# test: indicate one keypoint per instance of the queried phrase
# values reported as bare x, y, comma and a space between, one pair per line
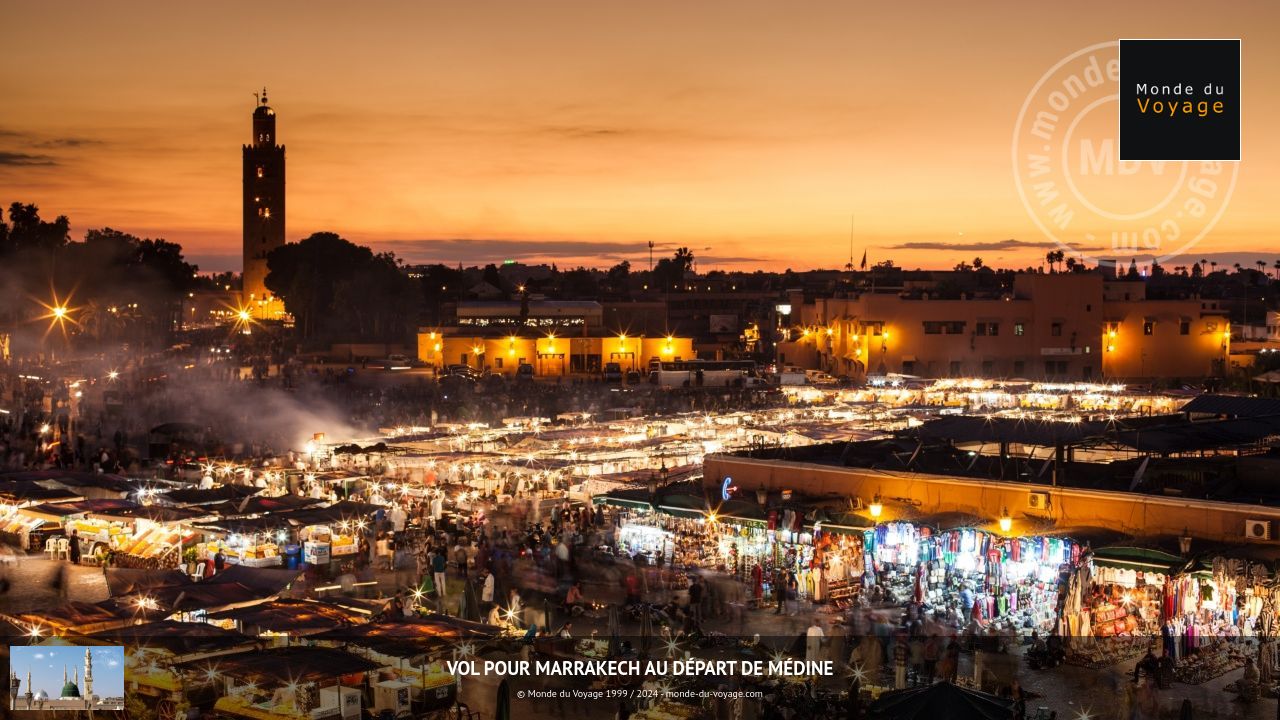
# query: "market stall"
968, 574
291, 682
157, 535
411, 653
153, 650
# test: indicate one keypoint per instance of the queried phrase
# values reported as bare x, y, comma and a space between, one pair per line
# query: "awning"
284, 665
412, 637
1141, 559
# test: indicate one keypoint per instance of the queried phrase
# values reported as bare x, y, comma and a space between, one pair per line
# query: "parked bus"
705, 373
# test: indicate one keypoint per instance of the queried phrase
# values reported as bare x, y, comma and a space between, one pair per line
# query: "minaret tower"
263, 210
88, 674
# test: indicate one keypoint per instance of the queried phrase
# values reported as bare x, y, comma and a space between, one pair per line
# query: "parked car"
464, 371
612, 372
524, 373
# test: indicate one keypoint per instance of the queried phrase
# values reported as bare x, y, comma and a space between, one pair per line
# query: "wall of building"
1050, 326
549, 355
911, 495
1163, 338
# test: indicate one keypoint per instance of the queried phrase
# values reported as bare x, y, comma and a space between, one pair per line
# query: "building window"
1184, 327
1088, 307
1056, 329
908, 367
497, 362
1148, 328
987, 329
1019, 329
943, 327
988, 368
955, 368
259, 171
1019, 368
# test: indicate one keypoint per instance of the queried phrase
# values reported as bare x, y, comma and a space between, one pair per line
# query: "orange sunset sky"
577, 132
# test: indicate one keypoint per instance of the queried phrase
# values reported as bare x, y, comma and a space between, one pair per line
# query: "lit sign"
727, 488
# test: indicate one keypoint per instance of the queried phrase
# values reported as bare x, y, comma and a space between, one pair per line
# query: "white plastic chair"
199, 573
51, 547
64, 548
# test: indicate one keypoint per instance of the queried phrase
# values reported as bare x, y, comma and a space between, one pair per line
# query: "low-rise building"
1071, 326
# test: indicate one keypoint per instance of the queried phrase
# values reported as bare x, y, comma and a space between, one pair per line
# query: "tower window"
259, 171
266, 212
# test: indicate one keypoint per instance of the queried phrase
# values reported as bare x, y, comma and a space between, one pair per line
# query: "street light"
1006, 522
876, 507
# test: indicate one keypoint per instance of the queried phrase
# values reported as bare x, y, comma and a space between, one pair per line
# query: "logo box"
1180, 99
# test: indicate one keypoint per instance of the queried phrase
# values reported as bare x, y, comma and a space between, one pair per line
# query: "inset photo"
52, 678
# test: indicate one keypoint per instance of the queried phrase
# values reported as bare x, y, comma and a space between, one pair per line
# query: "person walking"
439, 564
73, 548
486, 591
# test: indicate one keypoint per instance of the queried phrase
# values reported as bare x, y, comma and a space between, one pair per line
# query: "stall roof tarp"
20, 491
1233, 406
291, 616
81, 507
284, 665
337, 512
155, 513
131, 581
73, 479
74, 616
940, 700
1201, 435
698, 506
411, 637
179, 638
1022, 431
1134, 558
256, 504
197, 496
236, 585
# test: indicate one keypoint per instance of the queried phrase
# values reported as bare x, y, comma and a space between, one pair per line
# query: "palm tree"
1213, 266
1277, 267
1262, 266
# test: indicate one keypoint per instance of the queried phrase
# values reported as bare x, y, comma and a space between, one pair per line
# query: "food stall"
289, 682
250, 542
158, 534
411, 653
153, 650
22, 530
97, 533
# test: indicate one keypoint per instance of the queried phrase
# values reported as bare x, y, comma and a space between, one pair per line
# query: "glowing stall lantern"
1006, 522
876, 507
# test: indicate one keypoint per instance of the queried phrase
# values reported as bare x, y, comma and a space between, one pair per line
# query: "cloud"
595, 253
16, 159
113, 663
967, 245
67, 142
38, 656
